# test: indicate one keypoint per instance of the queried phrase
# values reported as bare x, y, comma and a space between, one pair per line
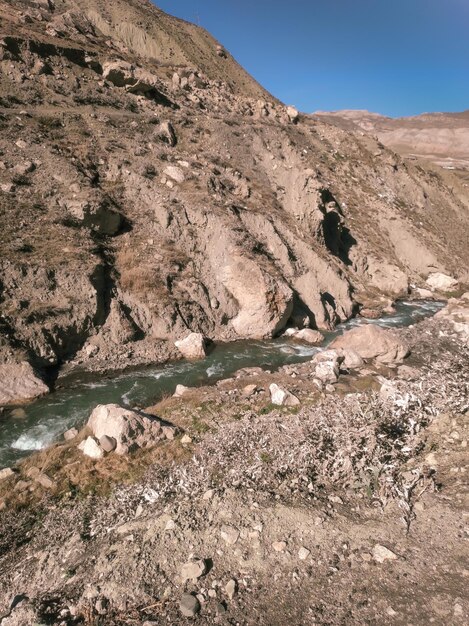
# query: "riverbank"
43, 422
325, 512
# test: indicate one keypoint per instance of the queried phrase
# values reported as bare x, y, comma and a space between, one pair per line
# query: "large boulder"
327, 366
307, 335
441, 282
19, 383
192, 347
130, 430
373, 342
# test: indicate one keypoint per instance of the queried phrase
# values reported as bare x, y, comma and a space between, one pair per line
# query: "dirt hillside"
149, 188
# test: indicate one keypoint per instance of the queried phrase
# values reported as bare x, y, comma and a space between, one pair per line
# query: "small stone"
90, 447
169, 432
220, 608
391, 612
229, 534
108, 444
33, 472
193, 570
231, 588
175, 173
189, 605
279, 546
22, 485
18, 413
70, 434
249, 390
45, 481
381, 554
180, 391
458, 610
6, 473
212, 593
208, 495
186, 440
303, 553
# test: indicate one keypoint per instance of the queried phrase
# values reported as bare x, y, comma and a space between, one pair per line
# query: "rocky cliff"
149, 187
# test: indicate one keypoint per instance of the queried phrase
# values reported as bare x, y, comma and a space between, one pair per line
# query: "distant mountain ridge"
442, 138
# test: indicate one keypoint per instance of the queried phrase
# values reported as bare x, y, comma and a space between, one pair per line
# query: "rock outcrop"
19, 383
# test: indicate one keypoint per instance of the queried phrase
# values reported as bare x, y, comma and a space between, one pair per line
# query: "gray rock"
189, 605
108, 444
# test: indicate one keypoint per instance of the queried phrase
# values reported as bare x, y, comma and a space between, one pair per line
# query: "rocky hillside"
442, 138
150, 187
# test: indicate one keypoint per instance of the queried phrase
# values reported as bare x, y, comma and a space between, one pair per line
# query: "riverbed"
47, 418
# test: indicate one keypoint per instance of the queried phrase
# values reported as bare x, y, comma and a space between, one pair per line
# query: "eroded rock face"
129, 429
372, 342
19, 383
265, 303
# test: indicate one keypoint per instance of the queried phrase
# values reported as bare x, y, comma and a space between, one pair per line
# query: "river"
47, 418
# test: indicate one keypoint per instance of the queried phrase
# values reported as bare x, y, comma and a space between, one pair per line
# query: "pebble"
279, 546
381, 554
70, 434
229, 534
303, 553
189, 605
193, 570
230, 588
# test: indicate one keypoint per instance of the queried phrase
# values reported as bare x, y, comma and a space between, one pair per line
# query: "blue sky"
396, 57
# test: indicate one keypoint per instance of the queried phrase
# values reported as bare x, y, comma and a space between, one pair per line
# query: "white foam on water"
215, 369
126, 396
30, 442
306, 350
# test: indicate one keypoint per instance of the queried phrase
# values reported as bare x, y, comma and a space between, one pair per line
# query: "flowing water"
47, 418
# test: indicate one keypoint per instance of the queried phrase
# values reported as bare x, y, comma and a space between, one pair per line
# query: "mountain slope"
442, 138
150, 187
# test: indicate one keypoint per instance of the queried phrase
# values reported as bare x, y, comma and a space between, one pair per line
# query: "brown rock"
372, 342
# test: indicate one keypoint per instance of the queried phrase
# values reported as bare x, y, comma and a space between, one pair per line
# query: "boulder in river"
193, 346
129, 429
373, 342
19, 383
308, 335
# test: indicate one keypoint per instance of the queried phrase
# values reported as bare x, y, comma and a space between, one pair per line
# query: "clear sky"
396, 57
